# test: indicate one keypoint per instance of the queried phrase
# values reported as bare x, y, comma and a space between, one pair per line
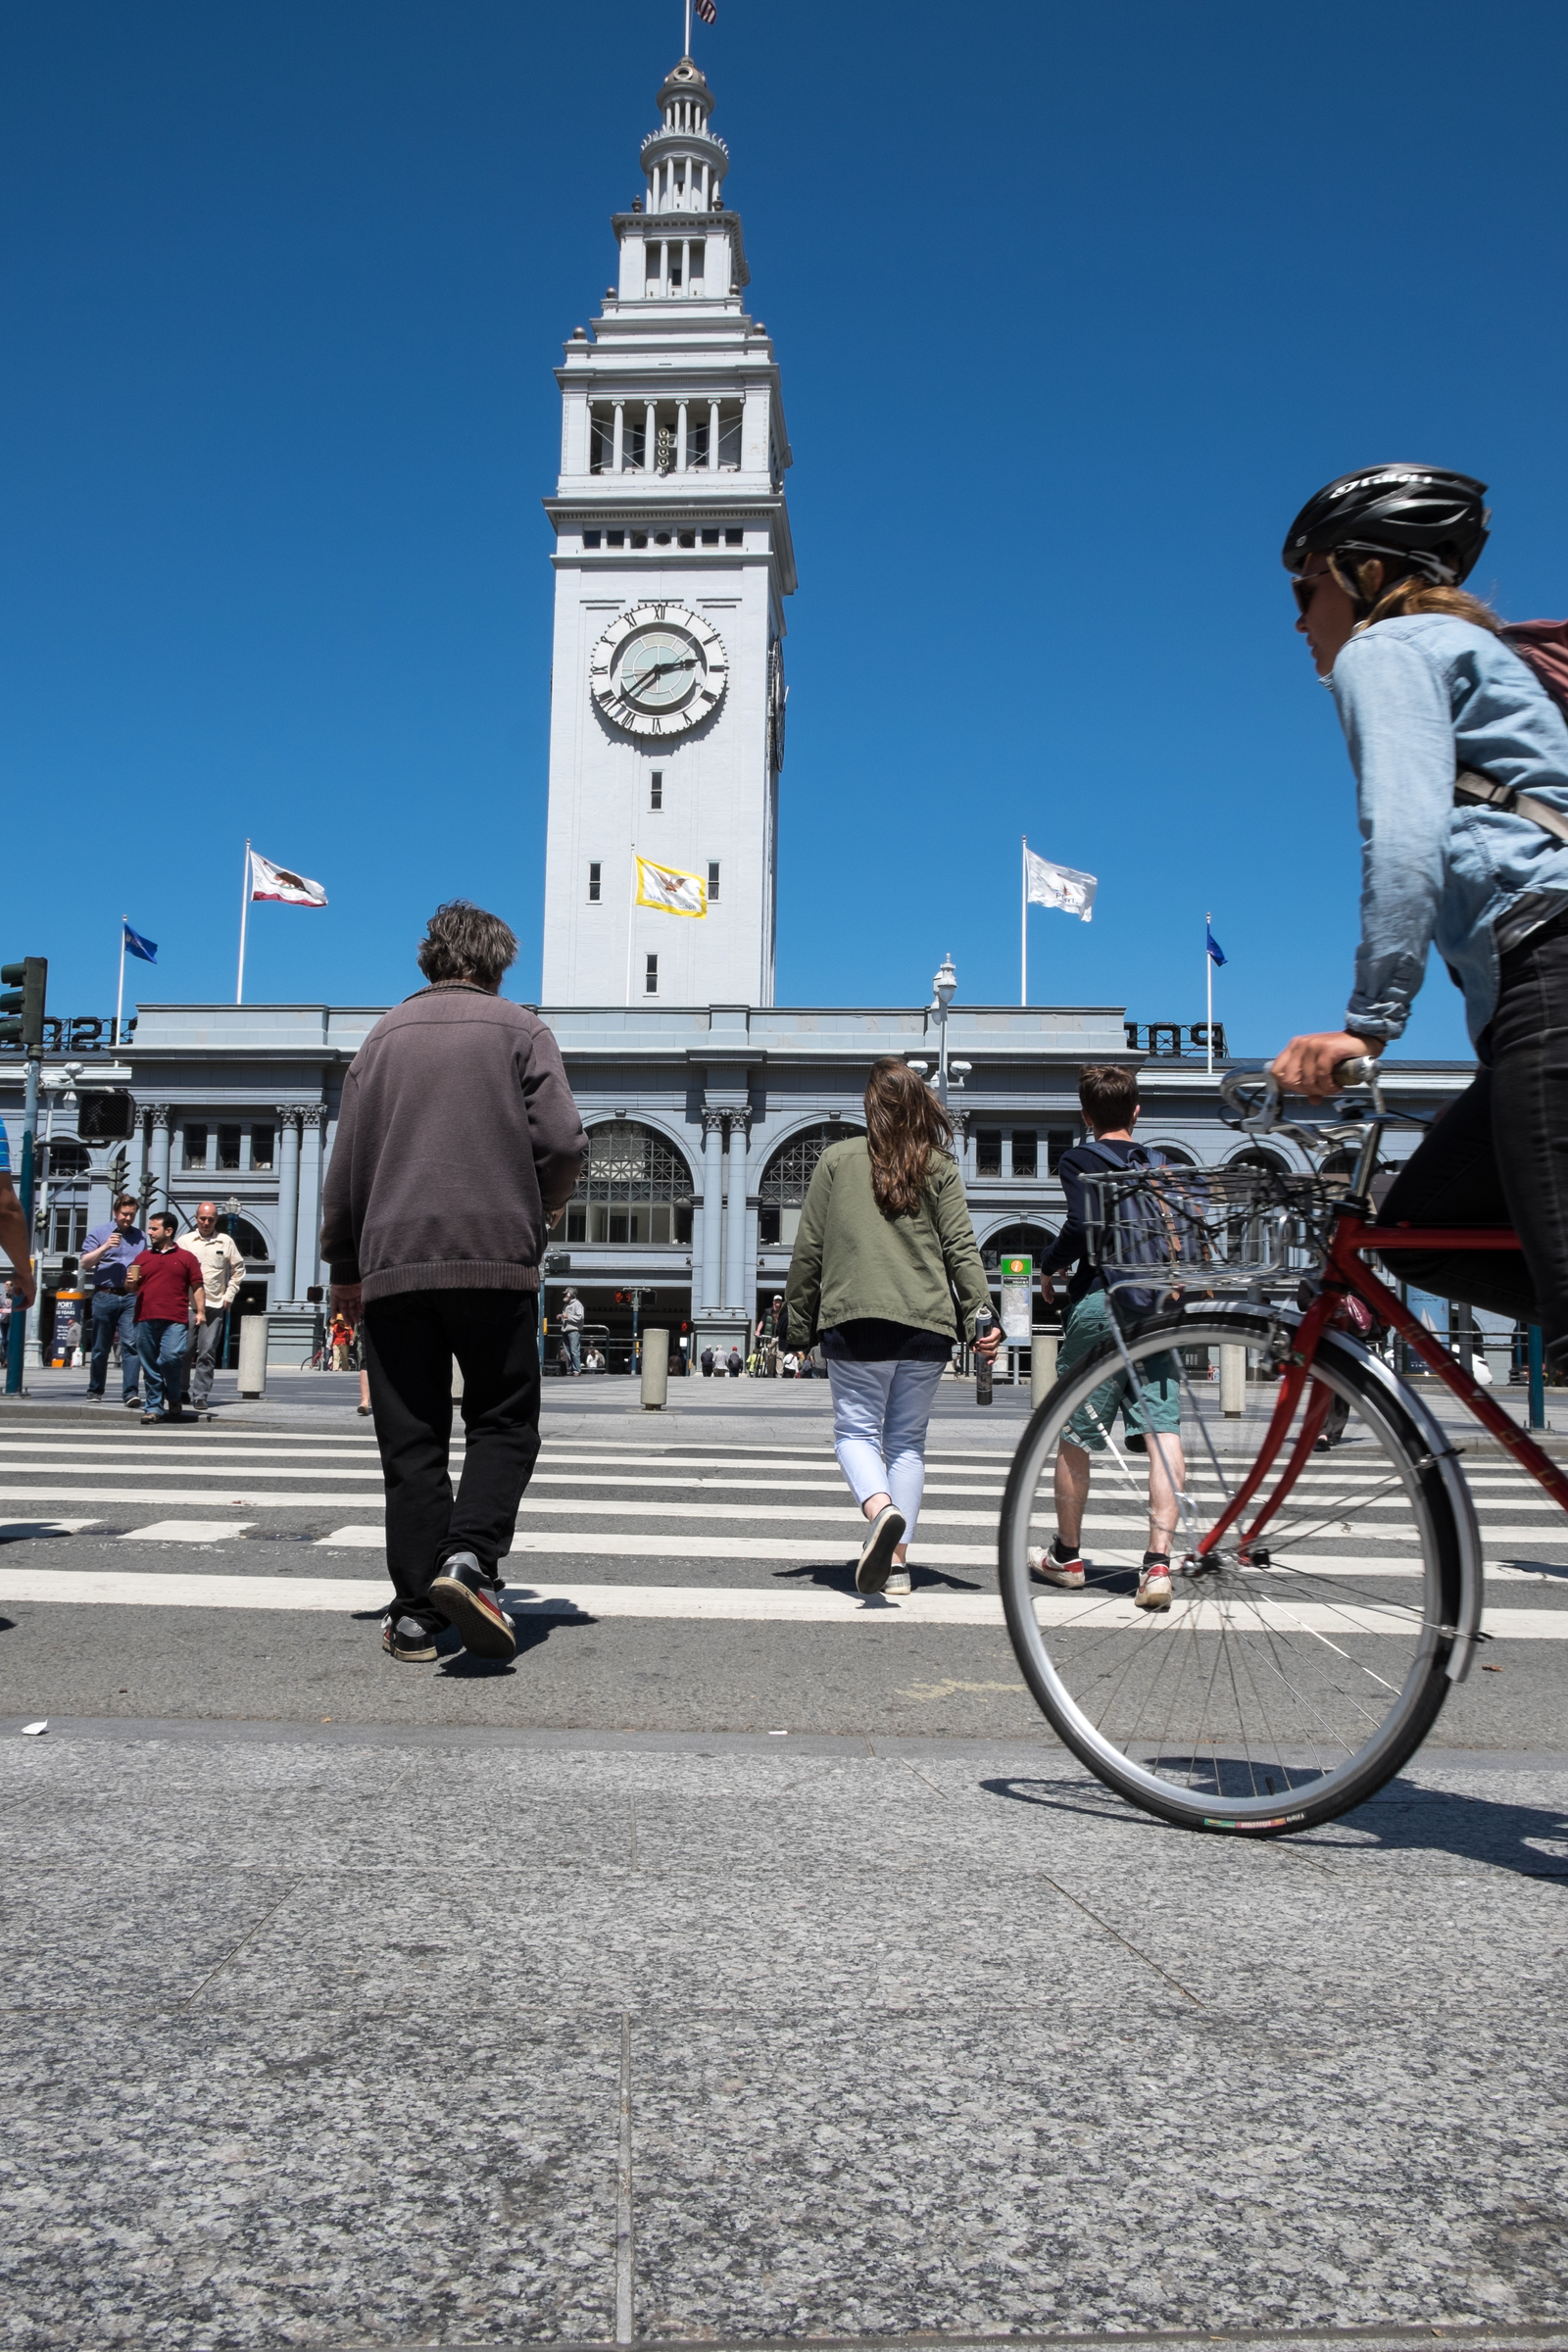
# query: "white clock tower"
673, 561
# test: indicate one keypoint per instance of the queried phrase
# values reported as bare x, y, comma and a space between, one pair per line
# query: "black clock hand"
659, 669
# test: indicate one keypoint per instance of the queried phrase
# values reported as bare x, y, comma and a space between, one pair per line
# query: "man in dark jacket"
457, 1146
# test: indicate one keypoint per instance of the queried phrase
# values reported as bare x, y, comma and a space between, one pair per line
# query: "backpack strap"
1470, 786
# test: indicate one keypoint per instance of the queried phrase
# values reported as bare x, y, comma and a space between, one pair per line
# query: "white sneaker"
1047, 1569
897, 1581
1153, 1588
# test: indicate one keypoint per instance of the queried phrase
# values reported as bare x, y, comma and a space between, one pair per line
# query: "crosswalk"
619, 1527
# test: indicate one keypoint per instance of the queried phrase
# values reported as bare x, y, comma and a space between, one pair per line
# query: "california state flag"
270, 881
667, 887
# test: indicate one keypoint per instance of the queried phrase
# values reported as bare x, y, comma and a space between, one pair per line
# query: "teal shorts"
1158, 1408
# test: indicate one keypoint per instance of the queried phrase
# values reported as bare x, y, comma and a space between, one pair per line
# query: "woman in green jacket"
885, 1241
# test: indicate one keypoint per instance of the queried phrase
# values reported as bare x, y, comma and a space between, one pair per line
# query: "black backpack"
1157, 1225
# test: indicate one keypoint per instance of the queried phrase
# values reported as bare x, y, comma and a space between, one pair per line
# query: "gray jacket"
456, 1141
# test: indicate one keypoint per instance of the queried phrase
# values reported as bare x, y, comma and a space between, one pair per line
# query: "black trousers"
409, 1342
1500, 1156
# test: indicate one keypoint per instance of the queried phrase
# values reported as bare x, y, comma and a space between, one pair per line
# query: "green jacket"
852, 1262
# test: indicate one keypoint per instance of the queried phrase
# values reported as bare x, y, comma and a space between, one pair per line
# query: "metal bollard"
1537, 1380
1233, 1381
1042, 1364
655, 1369
253, 1356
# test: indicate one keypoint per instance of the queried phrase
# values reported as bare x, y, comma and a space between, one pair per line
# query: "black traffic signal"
22, 1005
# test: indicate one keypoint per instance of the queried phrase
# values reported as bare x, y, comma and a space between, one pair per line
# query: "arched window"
66, 1159
1016, 1241
635, 1187
782, 1191
252, 1246
1175, 1154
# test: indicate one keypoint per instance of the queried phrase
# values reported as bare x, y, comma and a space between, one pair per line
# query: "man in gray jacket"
457, 1146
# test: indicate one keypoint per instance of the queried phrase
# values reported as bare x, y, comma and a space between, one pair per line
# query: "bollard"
1233, 1381
253, 1356
1042, 1364
1538, 1381
655, 1369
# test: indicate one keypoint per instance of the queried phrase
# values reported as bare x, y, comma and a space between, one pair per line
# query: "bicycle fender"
1466, 1633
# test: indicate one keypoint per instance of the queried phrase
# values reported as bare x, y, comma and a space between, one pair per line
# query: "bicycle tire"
1082, 1662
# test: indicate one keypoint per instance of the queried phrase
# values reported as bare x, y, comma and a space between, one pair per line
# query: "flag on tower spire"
707, 11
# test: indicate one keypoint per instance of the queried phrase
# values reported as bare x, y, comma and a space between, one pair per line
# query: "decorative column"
964, 1142
680, 437
651, 440
307, 1247
713, 1207
157, 1194
618, 447
288, 1204
712, 436
736, 1286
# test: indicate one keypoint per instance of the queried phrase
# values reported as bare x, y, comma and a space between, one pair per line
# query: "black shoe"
408, 1640
131, 1403
467, 1598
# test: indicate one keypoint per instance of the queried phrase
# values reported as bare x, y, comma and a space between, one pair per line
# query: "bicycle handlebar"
1258, 1098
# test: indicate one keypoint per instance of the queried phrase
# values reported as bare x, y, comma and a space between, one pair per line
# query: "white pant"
880, 1413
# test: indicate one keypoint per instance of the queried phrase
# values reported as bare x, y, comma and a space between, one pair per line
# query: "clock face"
658, 669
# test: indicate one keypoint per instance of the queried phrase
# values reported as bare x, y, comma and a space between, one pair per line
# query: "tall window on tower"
651, 977
712, 881
656, 788
593, 884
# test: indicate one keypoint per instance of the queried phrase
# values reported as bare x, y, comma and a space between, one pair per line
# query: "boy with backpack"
1109, 1099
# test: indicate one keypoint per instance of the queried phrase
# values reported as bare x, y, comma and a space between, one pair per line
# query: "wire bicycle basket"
1210, 1230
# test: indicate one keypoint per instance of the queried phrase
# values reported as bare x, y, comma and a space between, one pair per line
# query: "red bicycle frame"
1343, 1272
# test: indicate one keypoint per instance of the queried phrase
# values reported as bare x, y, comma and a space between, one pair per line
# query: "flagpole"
120, 1000
686, 52
1023, 931
631, 917
1208, 975
244, 910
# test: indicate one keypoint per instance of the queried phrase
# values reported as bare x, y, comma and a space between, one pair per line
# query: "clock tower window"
656, 789
594, 874
651, 977
712, 881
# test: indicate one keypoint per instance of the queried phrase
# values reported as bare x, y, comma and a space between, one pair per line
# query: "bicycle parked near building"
1322, 1605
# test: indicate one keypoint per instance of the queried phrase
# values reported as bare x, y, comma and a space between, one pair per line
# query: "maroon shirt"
167, 1277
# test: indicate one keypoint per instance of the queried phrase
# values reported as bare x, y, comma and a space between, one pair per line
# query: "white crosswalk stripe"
750, 1507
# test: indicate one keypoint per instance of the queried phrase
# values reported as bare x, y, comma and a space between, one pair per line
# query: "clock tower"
673, 561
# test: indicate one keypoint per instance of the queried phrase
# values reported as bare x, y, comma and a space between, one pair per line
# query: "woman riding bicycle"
1439, 711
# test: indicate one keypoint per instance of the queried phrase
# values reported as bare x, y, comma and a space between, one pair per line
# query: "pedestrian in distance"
571, 1318
457, 1147
15, 1240
734, 1363
1109, 1097
883, 1242
222, 1265
170, 1288
107, 1252
707, 1360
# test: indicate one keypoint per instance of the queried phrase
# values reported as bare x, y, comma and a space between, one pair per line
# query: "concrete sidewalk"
387, 2038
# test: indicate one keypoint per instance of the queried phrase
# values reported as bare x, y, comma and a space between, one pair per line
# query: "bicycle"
1290, 1678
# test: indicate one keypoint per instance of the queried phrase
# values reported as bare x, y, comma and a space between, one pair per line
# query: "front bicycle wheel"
1301, 1660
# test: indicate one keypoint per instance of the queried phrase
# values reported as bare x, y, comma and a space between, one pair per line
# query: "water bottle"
984, 1323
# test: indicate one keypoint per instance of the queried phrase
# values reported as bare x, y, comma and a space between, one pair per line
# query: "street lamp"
60, 1086
945, 987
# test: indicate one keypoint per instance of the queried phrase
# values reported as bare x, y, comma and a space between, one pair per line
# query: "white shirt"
222, 1266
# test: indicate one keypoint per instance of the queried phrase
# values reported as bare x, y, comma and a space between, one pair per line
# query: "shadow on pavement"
840, 1578
1529, 1840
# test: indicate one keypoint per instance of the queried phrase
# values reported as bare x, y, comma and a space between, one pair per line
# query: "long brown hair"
1412, 594
904, 1124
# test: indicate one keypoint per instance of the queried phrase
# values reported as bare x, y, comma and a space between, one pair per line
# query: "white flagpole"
686, 52
120, 1000
1208, 975
632, 918
244, 910
1023, 933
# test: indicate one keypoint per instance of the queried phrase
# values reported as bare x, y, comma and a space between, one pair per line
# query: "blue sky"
1075, 307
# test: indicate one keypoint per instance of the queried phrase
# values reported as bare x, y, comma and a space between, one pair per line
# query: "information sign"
1017, 1300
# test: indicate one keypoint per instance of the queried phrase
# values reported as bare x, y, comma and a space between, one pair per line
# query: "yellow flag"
665, 886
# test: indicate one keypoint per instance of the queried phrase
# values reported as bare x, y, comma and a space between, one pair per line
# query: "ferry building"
706, 1103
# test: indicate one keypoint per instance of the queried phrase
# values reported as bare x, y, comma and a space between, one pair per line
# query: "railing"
1171, 1041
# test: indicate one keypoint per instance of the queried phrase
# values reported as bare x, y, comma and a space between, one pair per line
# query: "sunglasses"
1305, 585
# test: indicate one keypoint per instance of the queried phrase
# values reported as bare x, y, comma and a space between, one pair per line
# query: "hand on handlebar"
1312, 1065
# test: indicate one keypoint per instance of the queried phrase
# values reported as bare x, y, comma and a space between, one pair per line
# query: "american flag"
707, 11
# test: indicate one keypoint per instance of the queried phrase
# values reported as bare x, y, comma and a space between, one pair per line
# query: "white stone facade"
670, 497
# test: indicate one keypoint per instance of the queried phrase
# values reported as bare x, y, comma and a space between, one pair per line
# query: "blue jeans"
114, 1314
161, 1345
880, 1413
572, 1335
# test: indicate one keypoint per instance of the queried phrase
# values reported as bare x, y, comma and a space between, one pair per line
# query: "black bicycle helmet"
1421, 518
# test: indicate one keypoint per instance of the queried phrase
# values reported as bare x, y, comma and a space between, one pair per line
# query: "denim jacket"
1420, 698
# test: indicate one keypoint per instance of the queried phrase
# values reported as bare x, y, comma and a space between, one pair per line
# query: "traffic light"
105, 1115
22, 1005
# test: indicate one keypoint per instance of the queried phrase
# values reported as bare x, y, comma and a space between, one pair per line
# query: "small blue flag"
147, 949
1214, 948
